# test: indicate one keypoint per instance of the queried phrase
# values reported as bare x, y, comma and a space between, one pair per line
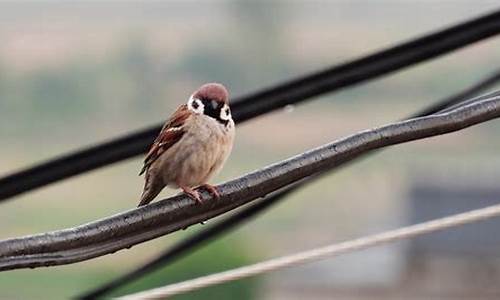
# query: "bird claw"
192, 194
211, 189
195, 195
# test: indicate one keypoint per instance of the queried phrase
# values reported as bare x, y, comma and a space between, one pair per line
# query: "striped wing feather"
170, 134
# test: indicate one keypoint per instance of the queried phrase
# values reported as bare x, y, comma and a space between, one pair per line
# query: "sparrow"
192, 146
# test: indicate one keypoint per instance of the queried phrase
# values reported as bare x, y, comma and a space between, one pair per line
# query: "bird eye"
195, 104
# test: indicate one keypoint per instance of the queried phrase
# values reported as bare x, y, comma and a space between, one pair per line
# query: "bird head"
211, 100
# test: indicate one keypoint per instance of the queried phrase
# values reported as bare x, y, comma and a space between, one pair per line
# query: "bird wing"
170, 134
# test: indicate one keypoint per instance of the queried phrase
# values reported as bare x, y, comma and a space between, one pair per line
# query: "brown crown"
212, 91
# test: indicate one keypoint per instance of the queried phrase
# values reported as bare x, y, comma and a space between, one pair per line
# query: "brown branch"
138, 225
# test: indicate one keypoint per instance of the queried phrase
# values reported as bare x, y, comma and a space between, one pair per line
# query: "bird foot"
191, 193
211, 189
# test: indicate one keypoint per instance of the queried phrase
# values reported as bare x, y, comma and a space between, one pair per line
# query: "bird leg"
191, 193
211, 189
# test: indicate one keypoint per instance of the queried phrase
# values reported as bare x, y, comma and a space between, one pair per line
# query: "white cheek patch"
225, 113
195, 105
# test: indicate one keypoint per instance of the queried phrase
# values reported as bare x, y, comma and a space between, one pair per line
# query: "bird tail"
151, 189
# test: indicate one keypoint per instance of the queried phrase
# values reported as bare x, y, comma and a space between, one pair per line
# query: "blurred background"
77, 73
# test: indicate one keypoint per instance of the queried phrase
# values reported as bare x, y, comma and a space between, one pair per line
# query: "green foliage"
60, 91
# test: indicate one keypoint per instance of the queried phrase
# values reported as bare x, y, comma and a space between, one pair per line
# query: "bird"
192, 146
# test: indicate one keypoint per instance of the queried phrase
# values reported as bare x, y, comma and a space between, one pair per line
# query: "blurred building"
458, 261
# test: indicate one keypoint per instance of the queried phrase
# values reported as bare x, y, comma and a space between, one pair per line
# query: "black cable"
468, 93
189, 244
244, 108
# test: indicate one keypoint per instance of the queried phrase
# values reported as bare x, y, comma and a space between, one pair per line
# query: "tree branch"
132, 227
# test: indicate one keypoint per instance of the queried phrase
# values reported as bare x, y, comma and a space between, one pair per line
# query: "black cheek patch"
213, 110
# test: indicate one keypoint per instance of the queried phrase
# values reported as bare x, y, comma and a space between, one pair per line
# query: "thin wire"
189, 244
318, 253
466, 94
244, 108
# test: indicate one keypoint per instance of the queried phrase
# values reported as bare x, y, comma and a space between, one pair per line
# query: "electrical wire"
252, 105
